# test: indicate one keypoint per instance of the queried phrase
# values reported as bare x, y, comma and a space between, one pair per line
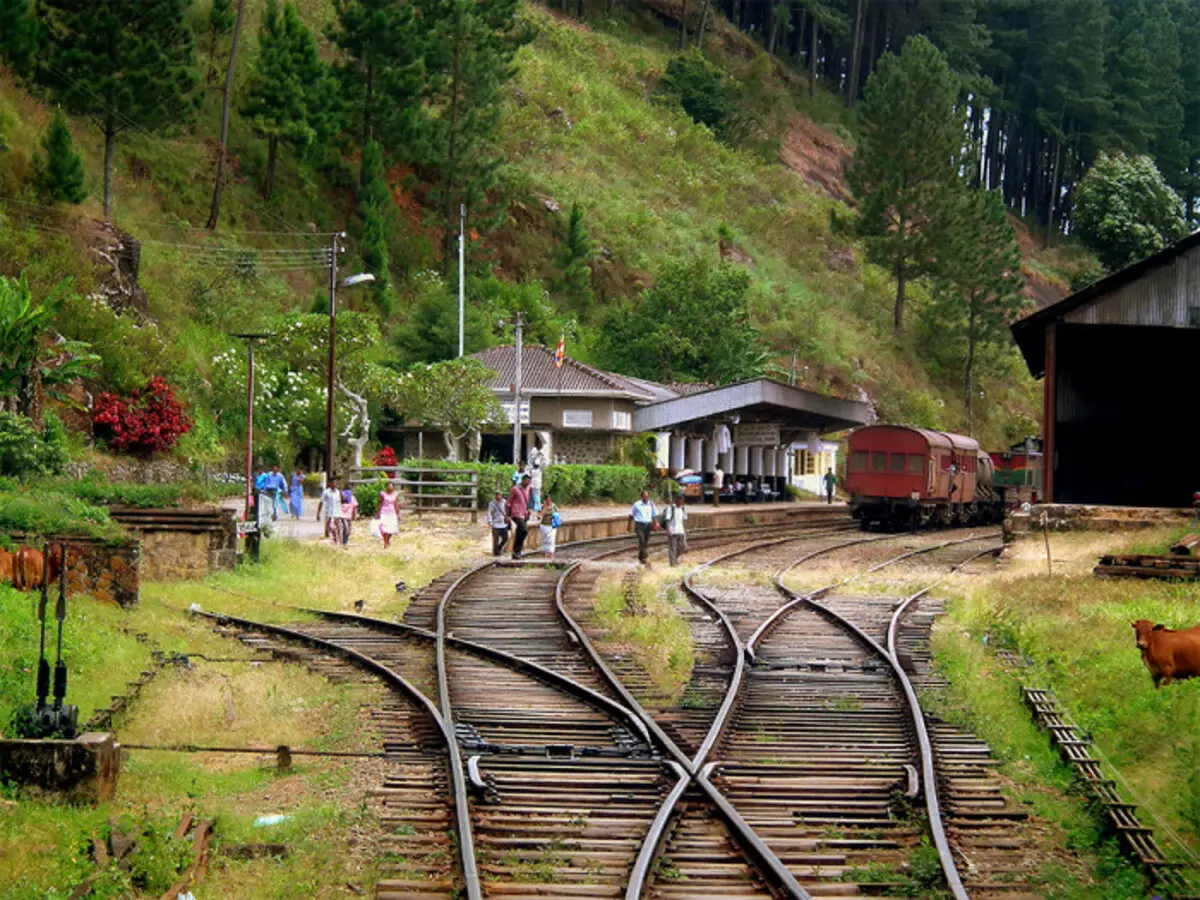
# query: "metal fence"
427, 490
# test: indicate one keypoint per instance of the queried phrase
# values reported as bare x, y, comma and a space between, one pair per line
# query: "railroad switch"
45, 719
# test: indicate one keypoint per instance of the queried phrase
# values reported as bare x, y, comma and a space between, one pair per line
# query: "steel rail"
743, 833
462, 818
924, 745
658, 829
517, 663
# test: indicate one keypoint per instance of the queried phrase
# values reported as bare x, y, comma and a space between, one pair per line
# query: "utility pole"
250, 338
519, 323
792, 377
330, 438
219, 185
462, 266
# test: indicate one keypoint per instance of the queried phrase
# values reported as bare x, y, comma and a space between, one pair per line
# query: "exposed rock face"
118, 256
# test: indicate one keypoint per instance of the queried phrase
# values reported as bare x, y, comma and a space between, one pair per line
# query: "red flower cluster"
150, 421
385, 457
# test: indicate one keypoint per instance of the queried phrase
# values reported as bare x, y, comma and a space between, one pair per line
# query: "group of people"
645, 518
271, 487
515, 512
340, 508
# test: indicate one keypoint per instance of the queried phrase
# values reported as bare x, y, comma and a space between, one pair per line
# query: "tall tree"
219, 24
470, 56
453, 395
977, 289
60, 169
381, 72
287, 99
905, 168
573, 282
18, 35
376, 208
214, 212
121, 64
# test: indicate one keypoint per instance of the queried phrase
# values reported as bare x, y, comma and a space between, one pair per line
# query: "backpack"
555, 519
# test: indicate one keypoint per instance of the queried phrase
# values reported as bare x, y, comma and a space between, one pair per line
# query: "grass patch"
645, 615
1075, 631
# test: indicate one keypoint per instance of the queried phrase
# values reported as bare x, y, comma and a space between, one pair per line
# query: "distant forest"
1047, 84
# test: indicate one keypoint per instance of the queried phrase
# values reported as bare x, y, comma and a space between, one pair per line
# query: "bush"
39, 513
385, 457
24, 452
569, 484
150, 421
707, 94
368, 497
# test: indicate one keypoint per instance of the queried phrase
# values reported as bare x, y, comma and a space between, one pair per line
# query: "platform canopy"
759, 401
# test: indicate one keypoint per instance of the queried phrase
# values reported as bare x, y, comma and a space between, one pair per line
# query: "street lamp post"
361, 278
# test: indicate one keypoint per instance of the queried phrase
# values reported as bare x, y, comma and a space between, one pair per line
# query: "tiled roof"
539, 376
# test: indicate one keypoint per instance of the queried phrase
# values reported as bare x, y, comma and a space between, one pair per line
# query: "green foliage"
38, 511
381, 72
706, 93
289, 95
569, 484
905, 170
430, 333
376, 208
693, 325
59, 173
122, 65
453, 395
1125, 211
24, 451
471, 45
977, 291
18, 34
572, 285
27, 367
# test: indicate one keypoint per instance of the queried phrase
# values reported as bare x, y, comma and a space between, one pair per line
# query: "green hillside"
583, 122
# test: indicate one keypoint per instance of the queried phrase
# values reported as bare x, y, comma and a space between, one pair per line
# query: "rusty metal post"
1049, 413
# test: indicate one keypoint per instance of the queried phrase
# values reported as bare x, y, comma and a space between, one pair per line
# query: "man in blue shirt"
644, 519
277, 486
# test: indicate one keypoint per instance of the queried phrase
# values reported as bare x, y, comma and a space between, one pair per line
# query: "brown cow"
1167, 653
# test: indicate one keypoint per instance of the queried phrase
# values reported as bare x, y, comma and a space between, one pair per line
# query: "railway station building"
758, 430
1117, 358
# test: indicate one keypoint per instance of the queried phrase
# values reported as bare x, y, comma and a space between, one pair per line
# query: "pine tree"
381, 74
60, 170
977, 289
221, 18
123, 65
375, 207
905, 168
18, 35
573, 284
470, 57
287, 101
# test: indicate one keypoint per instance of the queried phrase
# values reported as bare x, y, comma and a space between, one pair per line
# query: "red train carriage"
911, 477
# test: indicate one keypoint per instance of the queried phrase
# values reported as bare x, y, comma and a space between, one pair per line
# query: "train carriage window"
969, 464
858, 461
896, 462
878, 461
944, 463
916, 464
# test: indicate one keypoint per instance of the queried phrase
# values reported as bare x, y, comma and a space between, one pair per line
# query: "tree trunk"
812, 59
360, 418
970, 371
368, 129
1057, 169
451, 445
703, 23
215, 213
110, 150
272, 159
855, 54
772, 28
901, 274
579, 10
683, 27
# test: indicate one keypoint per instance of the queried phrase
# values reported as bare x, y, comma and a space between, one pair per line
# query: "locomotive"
902, 477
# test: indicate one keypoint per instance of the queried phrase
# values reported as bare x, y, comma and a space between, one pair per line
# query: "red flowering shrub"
385, 457
151, 420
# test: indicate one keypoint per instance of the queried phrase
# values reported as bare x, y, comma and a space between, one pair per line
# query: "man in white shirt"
537, 464
331, 505
718, 485
497, 516
675, 516
642, 519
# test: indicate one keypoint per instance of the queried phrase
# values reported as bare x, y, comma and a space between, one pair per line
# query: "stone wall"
582, 448
169, 556
108, 572
134, 471
1082, 517
84, 770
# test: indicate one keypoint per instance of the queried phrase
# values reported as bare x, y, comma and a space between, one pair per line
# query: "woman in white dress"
549, 525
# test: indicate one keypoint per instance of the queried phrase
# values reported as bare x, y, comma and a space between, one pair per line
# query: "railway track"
568, 779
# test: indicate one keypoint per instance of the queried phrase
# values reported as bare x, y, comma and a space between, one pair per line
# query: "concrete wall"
82, 771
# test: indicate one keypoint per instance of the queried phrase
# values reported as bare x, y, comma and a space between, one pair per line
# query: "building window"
577, 418
622, 421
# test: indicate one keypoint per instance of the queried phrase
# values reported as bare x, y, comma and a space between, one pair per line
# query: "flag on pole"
560, 352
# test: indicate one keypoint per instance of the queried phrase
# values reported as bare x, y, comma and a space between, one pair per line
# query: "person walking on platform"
830, 483
331, 504
549, 522
718, 485
518, 514
498, 521
642, 518
537, 467
674, 518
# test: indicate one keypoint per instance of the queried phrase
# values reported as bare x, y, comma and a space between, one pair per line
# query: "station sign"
509, 405
754, 434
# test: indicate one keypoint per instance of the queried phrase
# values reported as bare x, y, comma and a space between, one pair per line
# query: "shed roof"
540, 377
759, 398
1030, 331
